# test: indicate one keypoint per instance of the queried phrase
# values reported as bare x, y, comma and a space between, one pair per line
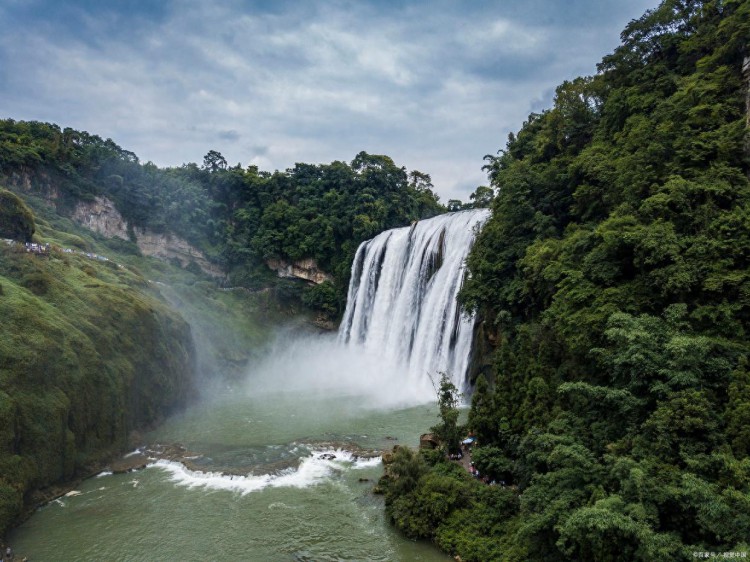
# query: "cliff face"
101, 216
306, 269
37, 181
169, 247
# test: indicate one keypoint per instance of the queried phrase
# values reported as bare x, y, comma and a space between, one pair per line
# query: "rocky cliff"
100, 215
306, 269
169, 247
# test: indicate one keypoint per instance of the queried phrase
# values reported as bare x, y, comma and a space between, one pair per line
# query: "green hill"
613, 284
88, 354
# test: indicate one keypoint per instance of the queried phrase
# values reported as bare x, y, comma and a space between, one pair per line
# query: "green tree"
447, 431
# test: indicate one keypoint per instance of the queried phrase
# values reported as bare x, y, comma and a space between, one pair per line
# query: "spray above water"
402, 326
321, 367
402, 305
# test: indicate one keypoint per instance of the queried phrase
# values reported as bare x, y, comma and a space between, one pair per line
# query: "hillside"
88, 354
247, 223
612, 282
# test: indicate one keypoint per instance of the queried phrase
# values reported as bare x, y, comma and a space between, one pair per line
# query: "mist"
319, 366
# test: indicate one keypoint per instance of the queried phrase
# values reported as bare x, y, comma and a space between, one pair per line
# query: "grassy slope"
86, 356
91, 350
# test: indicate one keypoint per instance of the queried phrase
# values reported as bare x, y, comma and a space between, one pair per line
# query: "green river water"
289, 503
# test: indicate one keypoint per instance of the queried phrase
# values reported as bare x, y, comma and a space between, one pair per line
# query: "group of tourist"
45, 249
486, 479
89, 255
34, 248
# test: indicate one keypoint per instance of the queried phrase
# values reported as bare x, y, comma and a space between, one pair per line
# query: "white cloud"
436, 89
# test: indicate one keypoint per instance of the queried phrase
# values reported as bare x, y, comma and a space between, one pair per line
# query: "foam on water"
312, 470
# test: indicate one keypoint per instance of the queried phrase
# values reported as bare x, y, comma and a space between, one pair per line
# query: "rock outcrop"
24, 179
306, 269
101, 216
169, 247
428, 441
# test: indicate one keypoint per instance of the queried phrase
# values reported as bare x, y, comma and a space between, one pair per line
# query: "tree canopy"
240, 218
613, 283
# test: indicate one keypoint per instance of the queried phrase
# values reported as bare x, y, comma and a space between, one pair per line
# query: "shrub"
16, 220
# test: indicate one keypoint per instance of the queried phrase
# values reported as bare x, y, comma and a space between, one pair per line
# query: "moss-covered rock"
16, 219
83, 363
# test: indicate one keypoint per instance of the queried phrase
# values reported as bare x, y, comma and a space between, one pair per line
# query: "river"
290, 431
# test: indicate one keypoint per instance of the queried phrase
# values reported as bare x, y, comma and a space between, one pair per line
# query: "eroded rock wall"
169, 247
101, 216
306, 269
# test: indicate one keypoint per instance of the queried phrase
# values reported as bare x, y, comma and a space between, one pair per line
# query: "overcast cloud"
434, 85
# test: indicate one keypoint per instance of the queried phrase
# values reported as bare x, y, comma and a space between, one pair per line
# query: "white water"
313, 469
402, 306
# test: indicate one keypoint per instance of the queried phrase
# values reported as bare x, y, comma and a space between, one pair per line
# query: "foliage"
447, 431
613, 280
321, 212
87, 355
323, 297
16, 219
445, 504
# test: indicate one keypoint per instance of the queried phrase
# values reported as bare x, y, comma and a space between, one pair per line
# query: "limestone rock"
306, 269
167, 247
101, 216
428, 441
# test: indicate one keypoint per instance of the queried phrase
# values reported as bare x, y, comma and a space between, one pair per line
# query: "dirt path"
466, 459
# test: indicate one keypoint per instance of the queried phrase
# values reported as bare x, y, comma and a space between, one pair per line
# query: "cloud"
434, 85
230, 135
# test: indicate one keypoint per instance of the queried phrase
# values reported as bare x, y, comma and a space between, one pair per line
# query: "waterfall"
401, 306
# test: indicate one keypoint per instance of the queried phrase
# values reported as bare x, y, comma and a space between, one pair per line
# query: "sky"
435, 85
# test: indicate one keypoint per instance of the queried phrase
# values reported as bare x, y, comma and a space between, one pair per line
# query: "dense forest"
239, 218
613, 284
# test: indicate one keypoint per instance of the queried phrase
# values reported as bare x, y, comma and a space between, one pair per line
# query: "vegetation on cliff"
239, 217
88, 354
614, 281
16, 219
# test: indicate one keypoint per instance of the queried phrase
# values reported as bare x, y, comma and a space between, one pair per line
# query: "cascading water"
288, 452
402, 302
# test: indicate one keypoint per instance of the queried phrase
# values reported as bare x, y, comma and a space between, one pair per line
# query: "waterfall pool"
277, 472
292, 501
